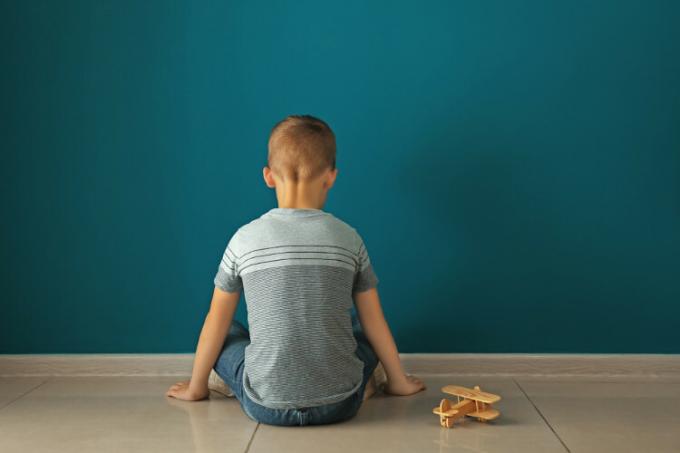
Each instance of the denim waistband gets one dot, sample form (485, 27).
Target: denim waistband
(328, 413)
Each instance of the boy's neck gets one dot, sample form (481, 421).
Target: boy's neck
(301, 195)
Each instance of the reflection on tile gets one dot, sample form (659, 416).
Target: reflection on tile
(12, 388)
(394, 424)
(610, 415)
(120, 414)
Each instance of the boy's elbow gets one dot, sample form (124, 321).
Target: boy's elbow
(368, 306)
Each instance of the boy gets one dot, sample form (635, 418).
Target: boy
(307, 359)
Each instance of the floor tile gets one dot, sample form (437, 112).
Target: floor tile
(121, 414)
(610, 414)
(395, 424)
(12, 388)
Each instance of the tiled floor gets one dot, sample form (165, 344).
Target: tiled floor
(543, 415)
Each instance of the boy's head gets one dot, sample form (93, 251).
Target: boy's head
(301, 148)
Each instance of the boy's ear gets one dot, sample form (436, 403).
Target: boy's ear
(268, 177)
(331, 178)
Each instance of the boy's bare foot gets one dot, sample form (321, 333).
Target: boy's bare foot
(216, 384)
(375, 382)
(380, 376)
(371, 388)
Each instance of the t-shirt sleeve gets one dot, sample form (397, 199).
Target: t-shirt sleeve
(365, 277)
(227, 277)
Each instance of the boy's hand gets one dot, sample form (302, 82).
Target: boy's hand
(183, 391)
(378, 333)
(408, 385)
(210, 343)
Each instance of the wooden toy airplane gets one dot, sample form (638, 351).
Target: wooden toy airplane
(475, 404)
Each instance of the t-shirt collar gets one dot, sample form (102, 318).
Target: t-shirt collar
(298, 212)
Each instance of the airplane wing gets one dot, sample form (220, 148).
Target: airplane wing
(486, 414)
(471, 394)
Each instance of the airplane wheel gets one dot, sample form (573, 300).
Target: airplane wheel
(444, 406)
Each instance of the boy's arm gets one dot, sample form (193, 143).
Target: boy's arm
(378, 333)
(210, 343)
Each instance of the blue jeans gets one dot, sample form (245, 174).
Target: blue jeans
(229, 366)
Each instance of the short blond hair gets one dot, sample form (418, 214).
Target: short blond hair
(301, 147)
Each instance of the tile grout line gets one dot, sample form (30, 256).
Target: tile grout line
(250, 442)
(23, 394)
(542, 416)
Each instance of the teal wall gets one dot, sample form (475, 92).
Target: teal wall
(514, 167)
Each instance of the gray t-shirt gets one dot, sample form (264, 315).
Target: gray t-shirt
(298, 268)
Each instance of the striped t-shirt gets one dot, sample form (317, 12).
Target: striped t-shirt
(298, 269)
